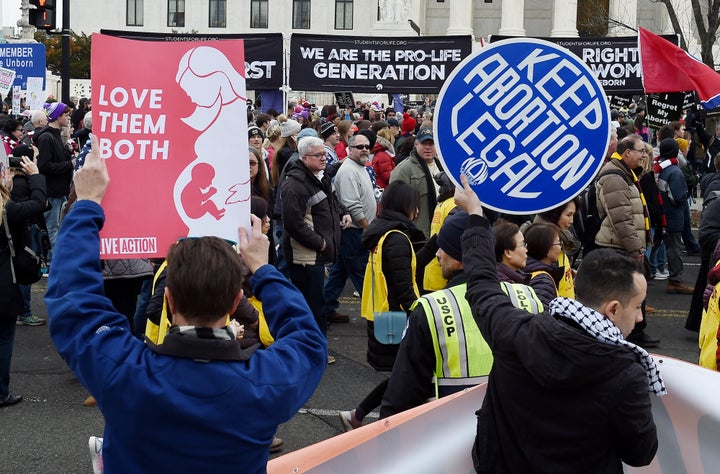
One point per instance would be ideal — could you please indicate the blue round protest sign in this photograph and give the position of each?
(526, 121)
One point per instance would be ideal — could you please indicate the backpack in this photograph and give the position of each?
(26, 263)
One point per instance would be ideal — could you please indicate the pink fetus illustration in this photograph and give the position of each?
(196, 195)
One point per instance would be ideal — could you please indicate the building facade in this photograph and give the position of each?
(481, 18)
(382, 18)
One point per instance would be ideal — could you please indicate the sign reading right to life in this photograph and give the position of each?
(526, 121)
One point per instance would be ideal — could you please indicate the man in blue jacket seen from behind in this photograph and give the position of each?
(197, 402)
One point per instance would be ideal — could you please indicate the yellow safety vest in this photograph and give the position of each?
(707, 339)
(155, 333)
(375, 292)
(432, 278)
(566, 287)
(462, 357)
(523, 297)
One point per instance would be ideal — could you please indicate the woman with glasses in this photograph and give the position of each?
(260, 188)
(510, 252)
(11, 134)
(563, 216)
(258, 175)
(544, 246)
(511, 255)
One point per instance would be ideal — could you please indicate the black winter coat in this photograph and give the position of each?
(396, 264)
(54, 161)
(558, 400)
(11, 302)
(310, 215)
(397, 255)
(411, 381)
(709, 232)
(545, 286)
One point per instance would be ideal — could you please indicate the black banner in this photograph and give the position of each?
(263, 53)
(417, 65)
(614, 60)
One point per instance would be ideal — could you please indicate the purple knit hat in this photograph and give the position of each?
(54, 110)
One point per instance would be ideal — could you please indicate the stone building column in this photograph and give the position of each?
(394, 16)
(624, 11)
(461, 18)
(564, 19)
(512, 18)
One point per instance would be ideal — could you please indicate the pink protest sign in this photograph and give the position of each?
(171, 122)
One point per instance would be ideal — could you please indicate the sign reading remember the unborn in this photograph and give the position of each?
(526, 121)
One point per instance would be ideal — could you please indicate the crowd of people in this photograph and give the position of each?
(360, 194)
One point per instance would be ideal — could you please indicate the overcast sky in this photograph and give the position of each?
(10, 12)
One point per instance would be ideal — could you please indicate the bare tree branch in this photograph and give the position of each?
(674, 21)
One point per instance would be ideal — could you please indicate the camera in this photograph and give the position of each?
(15, 162)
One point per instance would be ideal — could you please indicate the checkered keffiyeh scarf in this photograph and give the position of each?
(602, 329)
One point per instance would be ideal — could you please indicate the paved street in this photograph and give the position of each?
(48, 432)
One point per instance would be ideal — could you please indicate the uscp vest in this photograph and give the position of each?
(462, 357)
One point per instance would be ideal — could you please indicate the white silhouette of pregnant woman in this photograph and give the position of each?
(212, 193)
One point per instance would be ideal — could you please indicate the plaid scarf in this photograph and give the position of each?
(227, 333)
(602, 329)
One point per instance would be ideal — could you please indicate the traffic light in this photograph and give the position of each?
(43, 15)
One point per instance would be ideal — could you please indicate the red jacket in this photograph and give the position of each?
(383, 162)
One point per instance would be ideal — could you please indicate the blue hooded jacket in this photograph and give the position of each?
(167, 413)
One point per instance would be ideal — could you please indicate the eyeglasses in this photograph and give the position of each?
(642, 151)
(559, 244)
(253, 163)
(317, 155)
(523, 244)
(361, 147)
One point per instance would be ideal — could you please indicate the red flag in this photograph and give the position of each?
(667, 68)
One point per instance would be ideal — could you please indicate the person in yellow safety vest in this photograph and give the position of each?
(511, 255)
(708, 336)
(442, 341)
(431, 278)
(563, 216)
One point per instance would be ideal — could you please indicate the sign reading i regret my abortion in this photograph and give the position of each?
(526, 121)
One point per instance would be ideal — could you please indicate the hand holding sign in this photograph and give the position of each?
(466, 198)
(254, 246)
(92, 180)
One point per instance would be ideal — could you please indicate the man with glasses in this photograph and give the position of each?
(419, 170)
(622, 207)
(355, 192)
(311, 216)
